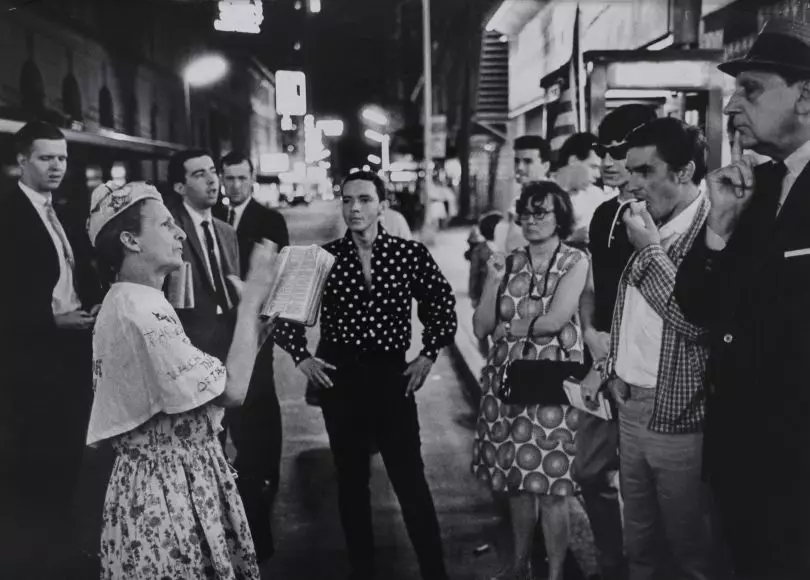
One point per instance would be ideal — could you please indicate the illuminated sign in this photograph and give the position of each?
(291, 92)
(240, 16)
(274, 162)
(654, 75)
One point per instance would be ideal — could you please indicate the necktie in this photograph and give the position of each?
(67, 251)
(778, 171)
(216, 273)
(231, 216)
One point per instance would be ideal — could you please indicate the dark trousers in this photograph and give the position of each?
(367, 403)
(602, 507)
(255, 430)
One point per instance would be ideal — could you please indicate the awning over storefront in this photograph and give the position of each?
(512, 15)
(107, 139)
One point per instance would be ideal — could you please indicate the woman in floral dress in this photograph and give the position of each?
(526, 451)
(172, 509)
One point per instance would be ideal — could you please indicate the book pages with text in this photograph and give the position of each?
(573, 389)
(296, 292)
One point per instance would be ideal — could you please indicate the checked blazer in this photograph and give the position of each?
(680, 397)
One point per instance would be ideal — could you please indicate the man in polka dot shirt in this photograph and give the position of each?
(366, 387)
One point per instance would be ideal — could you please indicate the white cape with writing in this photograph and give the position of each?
(144, 364)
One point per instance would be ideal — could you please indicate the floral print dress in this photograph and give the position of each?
(172, 509)
(528, 448)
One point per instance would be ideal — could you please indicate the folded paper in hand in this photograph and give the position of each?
(180, 288)
(573, 389)
(298, 287)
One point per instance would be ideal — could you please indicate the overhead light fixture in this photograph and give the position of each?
(375, 116)
(374, 135)
(314, 6)
(205, 70)
(375, 159)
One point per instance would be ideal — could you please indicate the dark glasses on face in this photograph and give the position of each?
(535, 215)
(618, 151)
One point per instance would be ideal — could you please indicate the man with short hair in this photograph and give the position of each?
(597, 461)
(255, 427)
(532, 162)
(747, 280)
(212, 249)
(51, 294)
(367, 387)
(657, 360)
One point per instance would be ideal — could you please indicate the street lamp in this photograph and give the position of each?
(202, 71)
(375, 116)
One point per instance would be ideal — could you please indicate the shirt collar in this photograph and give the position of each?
(681, 223)
(198, 217)
(381, 233)
(796, 161)
(38, 199)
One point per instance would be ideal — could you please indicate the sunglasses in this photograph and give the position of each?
(618, 151)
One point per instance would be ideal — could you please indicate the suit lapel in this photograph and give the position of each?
(226, 249)
(796, 211)
(196, 249)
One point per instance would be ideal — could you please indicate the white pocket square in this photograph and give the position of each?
(794, 253)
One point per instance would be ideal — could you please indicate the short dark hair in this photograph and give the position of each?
(620, 121)
(30, 132)
(677, 144)
(487, 224)
(235, 158)
(379, 185)
(533, 142)
(109, 249)
(578, 144)
(177, 164)
(536, 192)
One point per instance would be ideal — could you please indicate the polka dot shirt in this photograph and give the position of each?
(379, 319)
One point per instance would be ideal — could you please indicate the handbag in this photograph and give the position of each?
(536, 382)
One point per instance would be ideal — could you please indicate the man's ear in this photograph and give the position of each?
(179, 189)
(384, 205)
(684, 175)
(21, 159)
(129, 242)
(803, 103)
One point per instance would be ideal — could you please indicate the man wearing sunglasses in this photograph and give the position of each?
(597, 463)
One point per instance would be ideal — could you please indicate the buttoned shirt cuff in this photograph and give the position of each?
(299, 356)
(714, 241)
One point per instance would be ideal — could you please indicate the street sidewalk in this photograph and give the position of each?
(448, 247)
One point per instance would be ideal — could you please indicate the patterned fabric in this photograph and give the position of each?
(379, 320)
(528, 448)
(172, 509)
(680, 398)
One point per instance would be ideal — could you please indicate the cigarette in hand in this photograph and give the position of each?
(736, 148)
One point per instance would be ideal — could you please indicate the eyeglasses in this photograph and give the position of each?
(535, 215)
(618, 151)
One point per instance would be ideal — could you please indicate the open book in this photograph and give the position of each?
(180, 288)
(298, 288)
(573, 389)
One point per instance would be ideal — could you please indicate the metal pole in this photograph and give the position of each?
(187, 102)
(427, 90)
(386, 152)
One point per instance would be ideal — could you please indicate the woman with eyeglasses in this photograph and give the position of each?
(526, 452)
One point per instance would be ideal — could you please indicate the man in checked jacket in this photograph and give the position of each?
(657, 361)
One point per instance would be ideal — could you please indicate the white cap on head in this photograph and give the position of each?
(110, 199)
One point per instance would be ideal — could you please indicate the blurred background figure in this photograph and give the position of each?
(482, 247)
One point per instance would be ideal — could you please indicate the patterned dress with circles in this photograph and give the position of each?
(528, 448)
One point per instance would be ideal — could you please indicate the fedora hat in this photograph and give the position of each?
(782, 46)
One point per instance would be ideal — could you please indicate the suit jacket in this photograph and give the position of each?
(45, 372)
(258, 222)
(207, 330)
(755, 300)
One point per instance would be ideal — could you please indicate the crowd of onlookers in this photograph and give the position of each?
(683, 295)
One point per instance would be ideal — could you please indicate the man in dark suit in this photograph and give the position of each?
(212, 250)
(255, 427)
(51, 295)
(748, 281)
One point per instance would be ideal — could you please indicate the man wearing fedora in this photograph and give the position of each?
(748, 282)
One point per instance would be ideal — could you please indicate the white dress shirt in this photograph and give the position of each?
(641, 327)
(396, 224)
(64, 298)
(198, 218)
